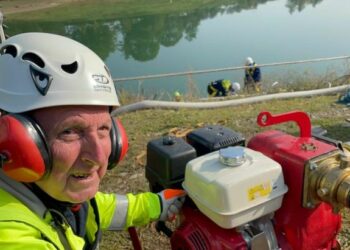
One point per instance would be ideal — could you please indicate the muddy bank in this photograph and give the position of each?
(18, 6)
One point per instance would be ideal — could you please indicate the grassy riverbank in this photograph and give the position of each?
(90, 10)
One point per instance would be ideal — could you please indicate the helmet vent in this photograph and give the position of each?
(70, 68)
(31, 57)
(10, 49)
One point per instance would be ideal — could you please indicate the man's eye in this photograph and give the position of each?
(104, 130)
(69, 134)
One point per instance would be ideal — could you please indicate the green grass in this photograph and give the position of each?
(323, 110)
(90, 10)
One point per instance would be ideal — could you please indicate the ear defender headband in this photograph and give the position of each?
(25, 155)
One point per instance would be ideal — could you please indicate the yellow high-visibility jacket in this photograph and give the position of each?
(25, 223)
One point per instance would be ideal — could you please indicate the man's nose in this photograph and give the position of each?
(95, 151)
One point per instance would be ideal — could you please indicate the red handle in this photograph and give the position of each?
(134, 238)
(301, 118)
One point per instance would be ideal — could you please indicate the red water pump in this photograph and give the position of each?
(278, 192)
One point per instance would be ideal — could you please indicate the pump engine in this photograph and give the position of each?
(277, 192)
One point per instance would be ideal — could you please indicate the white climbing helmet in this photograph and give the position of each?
(236, 86)
(39, 70)
(249, 61)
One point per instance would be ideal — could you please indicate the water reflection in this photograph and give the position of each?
(297, 5)
(100, 37)
(141, 37)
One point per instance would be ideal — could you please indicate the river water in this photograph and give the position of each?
(217, 36)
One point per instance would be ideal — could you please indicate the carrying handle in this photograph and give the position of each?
(301, 118)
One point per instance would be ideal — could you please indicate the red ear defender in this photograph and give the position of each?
(23, 149)
(119, 142)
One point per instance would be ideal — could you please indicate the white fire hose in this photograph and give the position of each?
(152, 104)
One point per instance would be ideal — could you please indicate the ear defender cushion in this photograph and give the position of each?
(119, 142)
(23, 144)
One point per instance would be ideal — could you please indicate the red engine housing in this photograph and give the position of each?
(303, 228)
(197, 232)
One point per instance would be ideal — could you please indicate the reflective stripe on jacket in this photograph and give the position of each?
(22, 228)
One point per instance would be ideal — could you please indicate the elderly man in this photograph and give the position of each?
(57, 142)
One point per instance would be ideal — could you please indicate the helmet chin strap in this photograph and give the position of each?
(3, 159)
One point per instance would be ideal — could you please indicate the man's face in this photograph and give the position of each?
(79, 140)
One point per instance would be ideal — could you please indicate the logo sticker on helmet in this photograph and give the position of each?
(42, 80)
(102, 88)
(99, 78)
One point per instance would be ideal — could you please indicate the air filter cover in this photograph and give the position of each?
(234, 195)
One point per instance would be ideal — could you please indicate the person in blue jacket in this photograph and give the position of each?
(222, 87)
(252, 76)
(57, 141)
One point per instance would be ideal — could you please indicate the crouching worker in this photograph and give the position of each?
(222, 88)
(57, 140)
